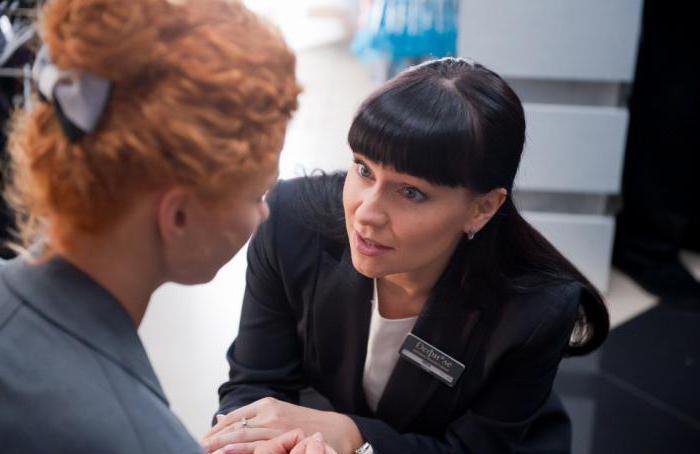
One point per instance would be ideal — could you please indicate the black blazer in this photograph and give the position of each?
(305, 322)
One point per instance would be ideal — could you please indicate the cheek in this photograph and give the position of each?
(264, 213)
(350, 197)
(426, 232)
(239, 230)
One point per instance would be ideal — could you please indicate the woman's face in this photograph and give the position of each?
(398, 223)
(215, 233)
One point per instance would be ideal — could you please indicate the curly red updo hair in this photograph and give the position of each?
(202, 93)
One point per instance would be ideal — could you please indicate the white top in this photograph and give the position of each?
(385, 339)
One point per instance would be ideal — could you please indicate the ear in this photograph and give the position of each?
(173, 213)
(485, 206)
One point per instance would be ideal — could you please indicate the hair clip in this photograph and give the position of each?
(79, 97)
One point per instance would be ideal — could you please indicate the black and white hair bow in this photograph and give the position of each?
(79, 97)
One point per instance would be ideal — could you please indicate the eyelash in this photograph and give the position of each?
(361, 165)
(421, 196)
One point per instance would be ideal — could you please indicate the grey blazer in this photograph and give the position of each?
(74, 376)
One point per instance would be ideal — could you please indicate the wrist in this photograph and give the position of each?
(352, 438)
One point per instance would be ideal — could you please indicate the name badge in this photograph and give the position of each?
(437, 363)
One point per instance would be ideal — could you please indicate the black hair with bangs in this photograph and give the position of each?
(455, 123)
(449, 121)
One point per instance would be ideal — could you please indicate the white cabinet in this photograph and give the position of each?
(552, 39)
(569, 60)
(573, 149)
(586, 240)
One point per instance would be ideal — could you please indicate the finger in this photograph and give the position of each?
(231, 419)
(224, 421)
(300, 447)
(240, 448)
(315, 445)
(242, 435)
(247, 412)
(220, 423)
(235, 426)
(303, 446)
(219, 418)
(289, 439)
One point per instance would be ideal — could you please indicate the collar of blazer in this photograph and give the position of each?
(341, 314)
(82, 308)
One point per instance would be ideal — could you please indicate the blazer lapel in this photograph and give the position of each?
(447, 323)
(82, 308)
(341, 315)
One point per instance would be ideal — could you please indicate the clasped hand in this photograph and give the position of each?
(247, 428)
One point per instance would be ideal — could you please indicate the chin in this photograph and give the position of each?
(367, 268)
(199, 275)
(194, 280)
(206, 279)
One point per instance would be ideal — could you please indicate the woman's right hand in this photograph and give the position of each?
(292, 442)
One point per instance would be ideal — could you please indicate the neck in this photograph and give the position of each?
(407, 285)
(407, 293)
(123, 264)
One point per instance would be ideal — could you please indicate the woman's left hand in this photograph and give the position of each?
(269, 417)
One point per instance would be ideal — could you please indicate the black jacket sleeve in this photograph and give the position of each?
(506, 416)
(264, 360)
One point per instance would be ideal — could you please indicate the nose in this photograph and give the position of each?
(370, 211)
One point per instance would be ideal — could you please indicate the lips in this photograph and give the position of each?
(369, 247)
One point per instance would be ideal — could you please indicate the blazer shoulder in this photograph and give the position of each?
(557, 298)
(9, 304)
(286, 201)
(303, 210)
(61, 367)
(312, 202)
(544, 314)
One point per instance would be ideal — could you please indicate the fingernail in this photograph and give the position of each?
(317, 436)
(219, 418)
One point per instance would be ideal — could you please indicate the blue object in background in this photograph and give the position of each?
(404, 32)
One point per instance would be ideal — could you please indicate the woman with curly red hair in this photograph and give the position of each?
(146, 161)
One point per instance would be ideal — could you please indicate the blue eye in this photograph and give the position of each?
(363, 170)
(413, 194)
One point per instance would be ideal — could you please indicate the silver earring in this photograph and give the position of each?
(470, 235)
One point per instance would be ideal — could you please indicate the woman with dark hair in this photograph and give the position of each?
(411, 293)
